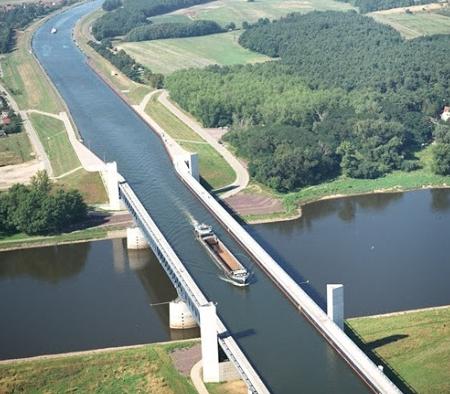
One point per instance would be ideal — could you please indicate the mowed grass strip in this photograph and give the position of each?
(416, 345)
(214, 170)
(167, 56)
(53, 136)
(15, 149)
(238, 11)
(26, 81)
(417, 24)
(146, 369)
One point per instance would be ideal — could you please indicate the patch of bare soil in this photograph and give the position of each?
(233, 387)
(185, 359)
(249, 204)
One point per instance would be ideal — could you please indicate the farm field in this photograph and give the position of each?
(416, 24)
(238, 11)
(415, 344)
(167, 56)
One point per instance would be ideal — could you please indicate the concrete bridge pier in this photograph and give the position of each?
(111, 179)
(136, 238)
(190, 161)
(210, 346)
(335, 304)
(180, 317)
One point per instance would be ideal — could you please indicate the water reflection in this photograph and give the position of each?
(82, 296)
(440, 200)
(52, 264)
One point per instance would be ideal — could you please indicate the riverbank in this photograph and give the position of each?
(142, 368)
(414, 344)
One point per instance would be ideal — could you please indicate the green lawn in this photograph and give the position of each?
(89, 184)
(146, 369)
(15, 149)
(214, 170)
(25, 80)
(53, 136)
(398, 180)
(238, 11)
(166, 56)
(417, 24)
(416, 345)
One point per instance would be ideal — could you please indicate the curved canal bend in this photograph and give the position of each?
(285, 349)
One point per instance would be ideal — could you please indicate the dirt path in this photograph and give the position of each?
(213, 138)
(414, 8)
(19, 173)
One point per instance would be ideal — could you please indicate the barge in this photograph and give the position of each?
(234, 271)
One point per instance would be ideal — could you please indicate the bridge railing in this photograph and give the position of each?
(190, 292)
(357, 359)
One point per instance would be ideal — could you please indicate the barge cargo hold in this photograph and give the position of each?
(234, 271)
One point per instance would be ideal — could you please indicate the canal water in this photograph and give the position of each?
(391, 251)
(82, 296)
(281, 344)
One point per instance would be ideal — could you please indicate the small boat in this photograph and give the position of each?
(53, 31)
(234, 271)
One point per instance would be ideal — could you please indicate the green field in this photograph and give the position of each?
(53, 136)
(25, 80)
(417, 24)
(166, 56)
(238, 11)
(416, 345)
(214, 170)
(146, 369)
(15, 149)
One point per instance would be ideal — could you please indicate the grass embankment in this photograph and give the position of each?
(416, 24)
(18, 241)
(238, 11)
(54, 138)
(15, 149)
(146, 369)
(133, 91)
(53, 135)
(167, 56)
(214, 170)
(396, 181)
(25, 80)
(416, 345)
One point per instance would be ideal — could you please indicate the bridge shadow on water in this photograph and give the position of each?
(368, 349)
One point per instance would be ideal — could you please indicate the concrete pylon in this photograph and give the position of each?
(335, 304)
(210, 347)
(192, 163)
(112, 186)
(180, 317)
(136, 238)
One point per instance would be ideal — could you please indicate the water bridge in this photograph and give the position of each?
(259, 329)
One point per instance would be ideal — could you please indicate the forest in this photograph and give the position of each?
(20, 16)
(39, 208)
(366, 6)
(133, 14)
(347, 95)
(173, 30)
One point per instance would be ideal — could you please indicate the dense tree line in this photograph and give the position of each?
(366, 95)
(39, 208)
(133, 14)
(109, 5)
(126, 64)
(441, 149)
(173, 30)
(14, 124)
(365, 6)
(20, 16)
